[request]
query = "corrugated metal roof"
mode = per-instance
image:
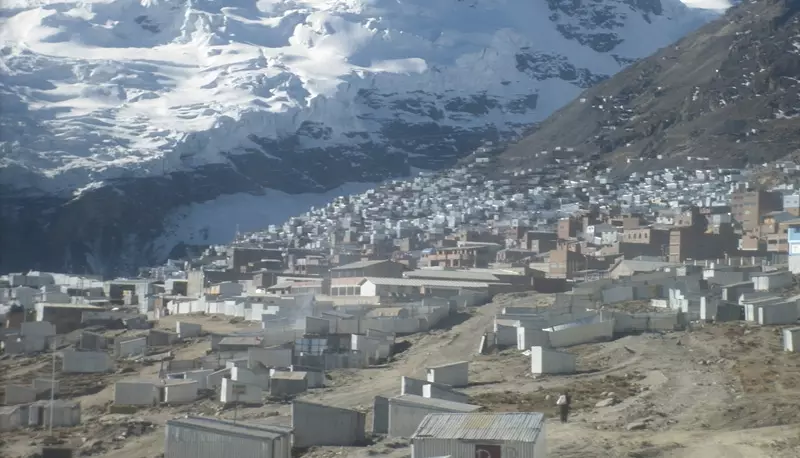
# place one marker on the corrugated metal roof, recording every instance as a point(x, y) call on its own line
point(434, 403)
point(219, 426)
point(517, 426)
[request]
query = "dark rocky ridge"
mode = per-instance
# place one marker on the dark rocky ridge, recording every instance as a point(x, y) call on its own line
point(728, 92)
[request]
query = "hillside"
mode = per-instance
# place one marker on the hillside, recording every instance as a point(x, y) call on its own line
point(728, 92)
point(125, 123)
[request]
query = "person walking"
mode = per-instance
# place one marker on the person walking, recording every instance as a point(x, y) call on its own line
point(563, 403)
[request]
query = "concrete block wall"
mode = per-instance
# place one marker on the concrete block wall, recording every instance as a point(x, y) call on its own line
point(161, 338)
point(281, 385)
point(19, 394)
point(137, 393)
point(214, 380)
point(233, 391)
point(251, 377)
point(436, 391)
point(43, 385)
point(183, 392)
point(505, 336)
point(617, 294)
point(529, 337)
point(199, 375)
point(187, 330)
point(374, 349)
point(453, 374)
point(85, 362)
point(126, 348)
point(544, 361)
point(791, 339)
point(317, 326)
point(729, 312)
point(37, 328)
point(269, 357)
point(320, 425)
point(415, 386)
point(92, 341)
point(380, 415)
point(583, 333)
point(65, 413)
point(779, 313)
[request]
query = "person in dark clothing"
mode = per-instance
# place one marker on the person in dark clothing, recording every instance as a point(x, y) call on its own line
point(564, 402)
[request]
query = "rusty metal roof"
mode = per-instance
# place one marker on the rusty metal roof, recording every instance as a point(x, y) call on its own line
point(516, 426)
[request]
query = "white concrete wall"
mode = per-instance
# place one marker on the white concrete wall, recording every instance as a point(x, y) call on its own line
point(136, 393)
point(85, 362)
point(791, 339)
point(432, 391)
point(19, 394)
point(545, 361)
point(453, 374)
point(585, 333)
point(233, 391)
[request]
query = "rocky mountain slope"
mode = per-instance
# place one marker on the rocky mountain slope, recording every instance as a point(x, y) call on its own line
point(106, 102)
point(727, 93)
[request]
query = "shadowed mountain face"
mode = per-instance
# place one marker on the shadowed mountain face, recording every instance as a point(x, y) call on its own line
point(728, 92)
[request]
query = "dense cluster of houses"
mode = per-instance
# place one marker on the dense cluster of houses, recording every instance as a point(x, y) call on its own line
point(334, 288)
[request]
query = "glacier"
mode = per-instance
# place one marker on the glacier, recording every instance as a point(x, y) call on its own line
point(103, 89)
point(291, 95)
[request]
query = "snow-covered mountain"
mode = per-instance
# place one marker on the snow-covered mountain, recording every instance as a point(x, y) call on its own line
point(298, 96)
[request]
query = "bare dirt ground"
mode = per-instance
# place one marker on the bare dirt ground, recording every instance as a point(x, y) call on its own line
point(712, 391)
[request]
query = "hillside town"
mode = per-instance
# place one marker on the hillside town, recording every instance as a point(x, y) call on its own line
point(431, 316)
